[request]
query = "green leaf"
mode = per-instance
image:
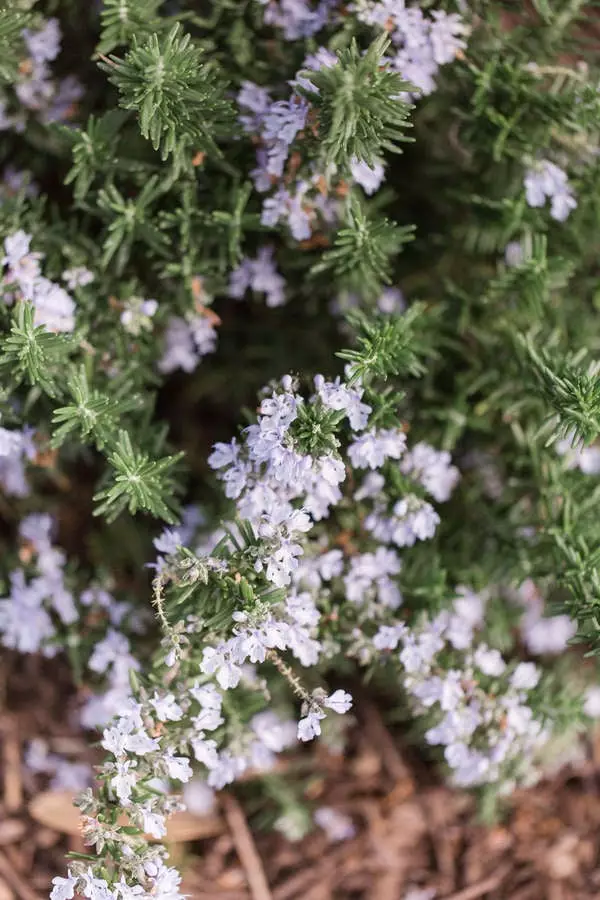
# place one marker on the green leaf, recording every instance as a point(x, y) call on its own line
point(12, 23)
point(387, 346)
point(363, 252)
point(122, 20)
point(93, 150)
point(571, 393)
point(32, 354)
point(360, 109)
point(140, 483)
point(179, 97)
point(91, 413)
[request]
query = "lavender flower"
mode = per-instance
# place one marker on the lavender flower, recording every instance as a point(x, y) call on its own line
point(54, 308)
point(186, 342)
point(297, 18)
point(336, 825)
point(261, 276)
point(421, 44)
point(137, 315)
point(368, 177)
point(546, 181)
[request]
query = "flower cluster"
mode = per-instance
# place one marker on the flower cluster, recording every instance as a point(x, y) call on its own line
point(357, 504)
point(576, 456)
point(41, 610)
point(37, 92)
point(542, 634)
point(421, 43)
point(307, 196)
point(260, 276)
point(16, 448)
point(186, 342)
point(23, 279)
point(298, 18)
point(149, 745)
point(547, 181)
point(64, 774)
point(480, 706)
point(35, 605)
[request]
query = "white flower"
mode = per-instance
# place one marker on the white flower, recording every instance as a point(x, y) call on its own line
point(548, 635)
point(388, 636)
point(371, 449)
point(64, 888)
point(525, 677)
point(77, 277)
point(108, 650)
point(198, 797)
point(208, 720)
point(547, 181)
point(227, 768)
point(433, 469)
point(339, 701)
point(124, 781)
point(205, 751)
point(137, 315)
point(224, 455)
point(166, 881)
point(372, 485)
point(11, 442)
point(114, 740)
point(489, 661)
point(207, 696)
point(23, 266)
point(369, 177)
point(178, 767)
point(167, 710)
point(591, 704)
point(95, 888)
point(127, 892)
point(154, 823)
point(54, 308)
point(141, 743)
point(215, 662)
point(310, 726)
point(339, 396)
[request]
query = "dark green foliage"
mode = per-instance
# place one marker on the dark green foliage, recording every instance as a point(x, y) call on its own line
point(387, 346)
point(33, 355)
point(359, 114)
point(140, 483)
point(12, 23)
point(179, 97)
point(92, 414)
point(363, 253)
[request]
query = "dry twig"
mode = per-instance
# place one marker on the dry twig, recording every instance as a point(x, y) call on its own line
point(246, 849)
point(16, 882)
point(383, 742)
point(474, 891)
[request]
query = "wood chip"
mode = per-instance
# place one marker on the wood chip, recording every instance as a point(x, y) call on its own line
point(11, 830)
point(11, 757)
point(5, 891)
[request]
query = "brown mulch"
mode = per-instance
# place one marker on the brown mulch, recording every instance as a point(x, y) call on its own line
point(412, 833)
